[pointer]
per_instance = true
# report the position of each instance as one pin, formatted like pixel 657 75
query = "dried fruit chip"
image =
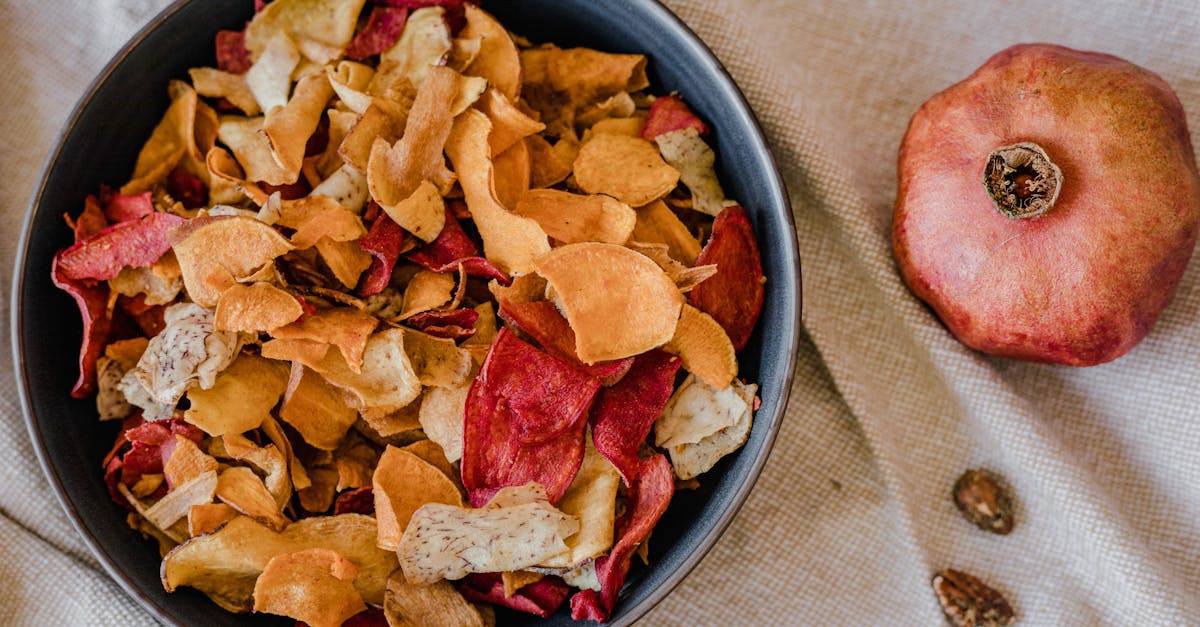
pixel 686 152
pixel 734 295
pixel 669 113
pixel 187 350
pixel 423 44
pixel 314 585
pixel 619 303
pixel 592 498
pixel 437 361
pixel 541 321
pixel 525 420
pixel 383 242
pixel 93 309
pixel 454 324
pixel 624 413
pixel 425 291
pixel 384 26
pixel 327 22
pixel 402 483
pixel 430 605
pixel 657 224
pixel 207 517
pixel 240 397
pixel 571 218
pixel 215 83
pixel 344 327
pixel 447 542
pixel 540 598
pixel 254 308
pixel 387 382
pixel 704 348
pixel 702 424
pixel 214 252
pixel 648 498
pixel 497 60
pixel 510 241
pixel 453 248
pixel 629 169
pixel 127 244
pixel 315 409
pixel 441 416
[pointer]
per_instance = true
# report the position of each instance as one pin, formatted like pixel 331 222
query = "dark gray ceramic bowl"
pixel 100 145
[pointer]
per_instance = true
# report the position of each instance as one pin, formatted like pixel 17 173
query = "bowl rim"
pixel 779 197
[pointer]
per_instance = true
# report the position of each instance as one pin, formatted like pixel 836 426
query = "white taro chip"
pixel 702 424
pixel 448 542
pixel 347 185
pixel 424 43
pixel 186 350
pixel 437 361
pixel 110 402
pixel 583 577
pixel 349 81
pixel 441 416
pixel 270 78
pixel 685 151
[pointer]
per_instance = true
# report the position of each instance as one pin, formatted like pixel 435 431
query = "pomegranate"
pixel 1048 204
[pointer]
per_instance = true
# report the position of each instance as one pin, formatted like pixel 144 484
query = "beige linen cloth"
pixel 852 515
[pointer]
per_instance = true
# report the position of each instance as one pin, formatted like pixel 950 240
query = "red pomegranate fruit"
pixel 1048 204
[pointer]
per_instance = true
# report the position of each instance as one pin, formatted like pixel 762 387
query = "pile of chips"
pixel 405 317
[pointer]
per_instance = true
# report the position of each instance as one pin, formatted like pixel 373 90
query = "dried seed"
pixel 982 498
pixel 968 602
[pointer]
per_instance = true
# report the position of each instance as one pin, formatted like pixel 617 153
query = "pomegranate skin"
pixel 1084 283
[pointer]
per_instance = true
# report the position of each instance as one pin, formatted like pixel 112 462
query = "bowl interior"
pixel 100 145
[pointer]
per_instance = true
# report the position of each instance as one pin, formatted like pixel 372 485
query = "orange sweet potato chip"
pixel 437 603
pixel 513 170
pixel 545 167
pixel 572 218
pixel 497 60
pixel 207 517
pixel 253 152
pixel 242 395
pixel 381 120
pixel 254 308
pixel 243 490
pixel 619 303
pixel 509 123
pixel 685 278
pixel 344 327
pixel 402 483
pixel 314 585
pixel 182 137
pixel 657 224
pixel 704 348
pixel 226 173
pixel 387 382
pixel 288 128
pixel 345 259
pixel 424 43
pixel 327 22
pixel 216 251
pixel 425 291
pixel 315 409
pixel 215 83
pixel 629 169
pixel 510 241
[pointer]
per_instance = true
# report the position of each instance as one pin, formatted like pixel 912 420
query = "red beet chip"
pixel 135 243
pixel 453 247
pixel 624 413
pixel 149 318
pixel 187 189
pixel 525 418
pixel 288 191
pixel 356 501
pixel 734 295
pixel 92 301
pixel 382 30
pixel 648 497
pixel 453 324
pixel 121 208
pixel 383 242
pixel 90 221
pixel 541 321
pixel 540 598
pixel 669 113
pixel 151 445
pixel 232 55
